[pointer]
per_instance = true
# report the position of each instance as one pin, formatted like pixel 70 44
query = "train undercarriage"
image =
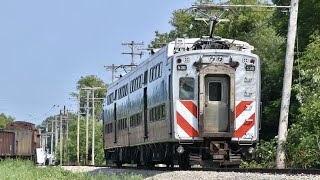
pixel 208 153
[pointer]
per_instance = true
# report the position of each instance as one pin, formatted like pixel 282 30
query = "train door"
pixel 145 112
pixel 115 122
pixel 216 101
pixel 170 105
pixel 216 104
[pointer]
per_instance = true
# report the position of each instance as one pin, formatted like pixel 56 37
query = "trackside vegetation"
pixel 24 169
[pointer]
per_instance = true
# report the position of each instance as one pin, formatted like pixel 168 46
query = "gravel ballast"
pixel 183 175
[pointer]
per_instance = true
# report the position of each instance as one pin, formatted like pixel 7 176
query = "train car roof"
pixel 171 49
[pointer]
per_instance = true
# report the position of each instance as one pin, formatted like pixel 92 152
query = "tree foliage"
pixel 91 81
pixel 308 20
pixel 84 82
pixel 4 120
pixel 72 142
pixel 303 145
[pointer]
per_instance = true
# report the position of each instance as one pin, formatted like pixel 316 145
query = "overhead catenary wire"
pixel 259 27
pixel 43 115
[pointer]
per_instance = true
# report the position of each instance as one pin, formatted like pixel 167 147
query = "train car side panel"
pixel 6 143
pixel 24 143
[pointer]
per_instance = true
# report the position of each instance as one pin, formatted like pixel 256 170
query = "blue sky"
pixel 46 46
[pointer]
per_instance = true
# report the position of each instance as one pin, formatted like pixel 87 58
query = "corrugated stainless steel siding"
pixel 6 143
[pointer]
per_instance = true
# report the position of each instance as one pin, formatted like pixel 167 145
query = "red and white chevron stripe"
pixel 245 119
pixel 187 119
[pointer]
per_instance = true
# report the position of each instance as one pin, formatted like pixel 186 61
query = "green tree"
pixel 72 142
pixel 84 82
pixel 4 120
pixel 308 20
pixel 303 144
pixel 91 81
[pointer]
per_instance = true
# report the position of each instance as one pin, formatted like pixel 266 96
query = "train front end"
pixel 216 100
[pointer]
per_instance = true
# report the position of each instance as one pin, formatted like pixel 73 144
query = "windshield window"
pixel 186 89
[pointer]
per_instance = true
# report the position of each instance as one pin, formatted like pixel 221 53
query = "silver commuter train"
pixel 195 101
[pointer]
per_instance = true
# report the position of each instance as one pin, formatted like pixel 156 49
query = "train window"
pixel 125 123
pixel 160 70
pixel 109 128
pixel 151 114
pixel 155 72
pixel 145 77
pixel 215 91
pixel 150 75
pixel 135 120
pixel 140 84
pixel 163 111
pixel 186 89
pixel 158 115
pixel 136 84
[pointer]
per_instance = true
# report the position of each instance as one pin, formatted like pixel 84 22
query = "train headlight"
pixel 180 150
pixel 251 150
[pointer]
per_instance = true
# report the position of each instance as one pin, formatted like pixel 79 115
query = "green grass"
pixel 23 169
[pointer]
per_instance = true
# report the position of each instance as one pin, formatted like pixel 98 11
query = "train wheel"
pixel 184 161
pixel 118 164
pixel 170 165
pixel 150 165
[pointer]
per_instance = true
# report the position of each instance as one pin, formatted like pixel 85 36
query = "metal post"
pixel 51 144
pixel 67 137
pixel 78 132
pixel 93 121
pixel 56 136
pixel 132 54
pixel 87 128
pixel 46 145
pixel 113 69
pixel 61 138
pixel 286 87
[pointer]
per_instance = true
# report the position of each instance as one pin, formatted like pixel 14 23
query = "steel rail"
pixel 240 170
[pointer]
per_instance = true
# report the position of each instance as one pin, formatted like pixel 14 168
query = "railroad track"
pixel 243 170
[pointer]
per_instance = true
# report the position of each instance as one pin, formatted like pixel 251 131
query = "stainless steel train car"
pixel 194 101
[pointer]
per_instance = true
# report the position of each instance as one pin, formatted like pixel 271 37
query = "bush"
pixel 265 155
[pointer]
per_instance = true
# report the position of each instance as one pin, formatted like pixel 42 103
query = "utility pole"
pixel 93 121
pixel 51 143
pixel 113 69
pixel 61 138
pixel 87 129
pixel 46 146
pixel 78 131
pixel 286 87
pixel 67 135
pixel 132 46
pixel 56 137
